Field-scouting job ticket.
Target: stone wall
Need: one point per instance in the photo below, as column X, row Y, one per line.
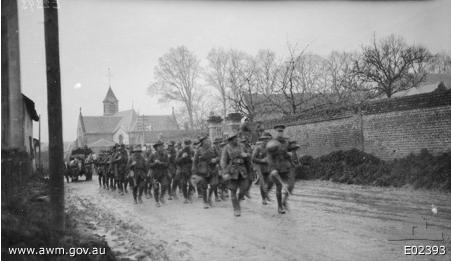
column 389, row 128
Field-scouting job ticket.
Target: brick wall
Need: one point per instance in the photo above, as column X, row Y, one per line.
column 396, row 134
column 389, row 128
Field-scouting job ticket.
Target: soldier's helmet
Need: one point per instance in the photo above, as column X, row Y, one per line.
column 137, row 149
column 273, row 146
column 157, row 144
column 265, row 136
column 279, row 127
column 232, row 136
column 245, row 127
column 217, row 141
column 292, row 145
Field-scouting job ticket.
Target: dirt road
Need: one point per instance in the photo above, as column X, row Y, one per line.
column 327, row 221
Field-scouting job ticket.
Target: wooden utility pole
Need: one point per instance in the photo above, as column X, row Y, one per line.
column 39, row 154
column 56, row 157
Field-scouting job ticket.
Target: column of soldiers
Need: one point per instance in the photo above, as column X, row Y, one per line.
column 211, row 170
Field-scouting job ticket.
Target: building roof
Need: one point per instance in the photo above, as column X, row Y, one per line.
column 429, row 85
column 128, row 118
column 29, row 105
column 100, row 124
column 129, row 121
column 110, row 97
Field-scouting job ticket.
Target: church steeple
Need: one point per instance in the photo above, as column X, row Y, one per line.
column 110, row 103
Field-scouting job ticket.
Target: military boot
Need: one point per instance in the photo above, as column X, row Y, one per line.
column 285, row 200
column 236, row 207
column 280, row 208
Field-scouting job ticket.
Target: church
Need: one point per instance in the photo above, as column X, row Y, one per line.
column 122, row 127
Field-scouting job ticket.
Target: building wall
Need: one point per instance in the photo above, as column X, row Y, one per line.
column 125, row 138
column 110, row 108
column 28, row 130
column 396, row 134
column 390, row 128
column 90, row 138
column 320, row 138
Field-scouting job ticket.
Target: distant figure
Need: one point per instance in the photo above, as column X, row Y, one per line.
column 434, row 210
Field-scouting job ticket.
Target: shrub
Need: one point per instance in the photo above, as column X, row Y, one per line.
column 422, row 170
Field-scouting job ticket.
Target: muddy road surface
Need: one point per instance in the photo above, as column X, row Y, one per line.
column 326, row 221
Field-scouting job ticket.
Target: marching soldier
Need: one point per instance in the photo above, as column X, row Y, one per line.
column 159, row 164
column 184, row 162
column 222, row 186
column 216, row 177
column 261, row 166
column 100, row 166
column 111, row 167
column 250, row 171
column 204, row 166
column 234, row 163
column 137, row 173
column 121, row 159
column 172, row 154
column 195, row 179
column 281, row 168
column 148, row 182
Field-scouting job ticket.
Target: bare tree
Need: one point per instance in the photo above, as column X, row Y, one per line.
column 176, row 76
column 391, row 65
column 300, row 83
column 242, row 84
column 440, row 63
column 267, row 71
column 217, row 74
column 343, row 86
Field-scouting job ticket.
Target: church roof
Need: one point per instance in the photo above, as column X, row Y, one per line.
column 110, row 97
column 129, row 121
column 128, row 118
column 100, row 124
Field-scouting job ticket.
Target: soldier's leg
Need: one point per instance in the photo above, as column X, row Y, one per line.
column 135, row 193
column 215, row 191
column 169, row 188
column 140, row 185
column 112, row 185
column 199, row 190
column 185, row 187
column 164, row 187
column 125, row 182
column 203, row 188
column 233, row 186
column 214, row 187
column 99, row 178
column 278, row 182
column 243, row 187
column 176, row 186
column 263, row 190
column 269, row 186
column 156, row 192
column 290, row 179
column 263, row 186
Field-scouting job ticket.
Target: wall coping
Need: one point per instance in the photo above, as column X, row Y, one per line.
column 412, row 102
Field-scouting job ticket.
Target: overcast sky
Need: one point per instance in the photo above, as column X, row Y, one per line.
column 129, row 37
